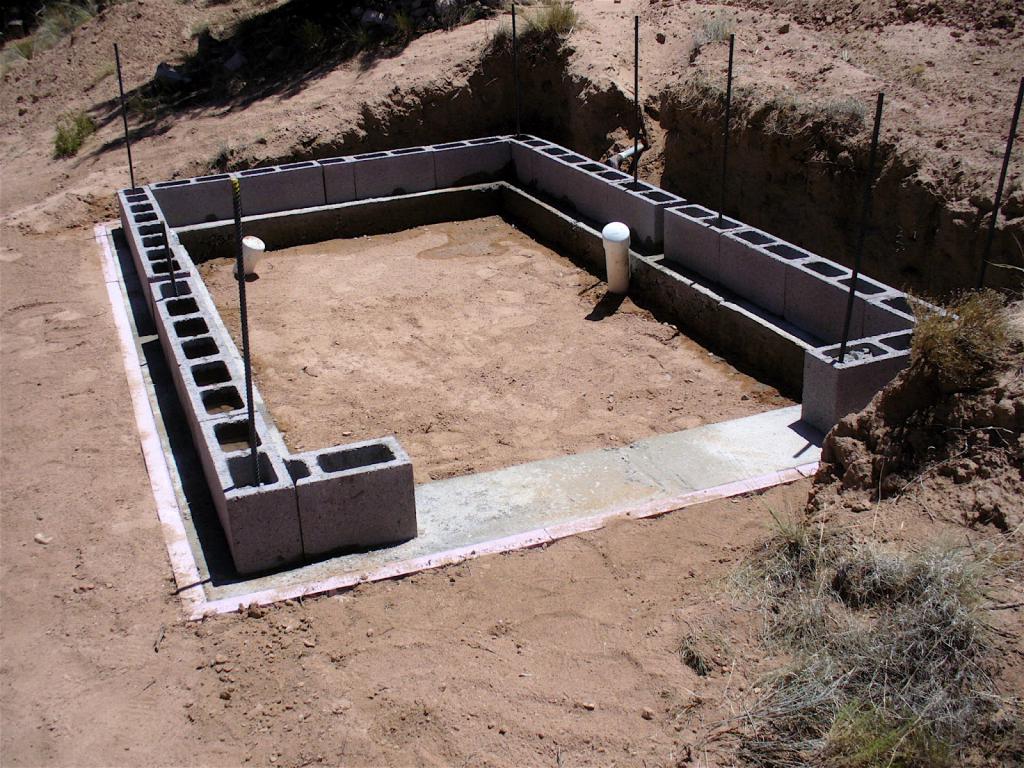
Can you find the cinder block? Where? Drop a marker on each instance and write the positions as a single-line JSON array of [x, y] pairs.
[[692, 235], [525, 158], [553, 170], [194, 201], [889, 312], [471, 162], [761, 344], [284, 188], [747, 268], [402, 172], [339, 180], [642, 208], [816, 302], [693, 306], [831, 389], [356, 496], [261, 523]]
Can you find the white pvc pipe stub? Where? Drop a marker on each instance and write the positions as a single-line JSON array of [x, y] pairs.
[[615, 237], [253, 250]]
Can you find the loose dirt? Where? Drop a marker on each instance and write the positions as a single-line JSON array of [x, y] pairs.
[[545, 657], [474, 344]]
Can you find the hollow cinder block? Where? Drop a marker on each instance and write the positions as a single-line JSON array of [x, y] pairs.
[[748, 269], [339, 180], [831, 389], [816, 303], [384, 174], [642, 208], [691, 239], [471, 162], [525, 158], [887, 313], [261, 523], [554, 177], [284, 188], [355, 496], [194, 201]]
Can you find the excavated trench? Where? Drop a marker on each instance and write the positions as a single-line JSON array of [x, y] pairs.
[[800, 177]]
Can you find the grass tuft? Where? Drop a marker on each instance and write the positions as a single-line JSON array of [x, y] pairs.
[[550, 24], [890, 653], [961, 343], [710, 29], [73, 128]]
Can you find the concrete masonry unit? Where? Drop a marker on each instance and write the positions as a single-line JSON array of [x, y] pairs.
[[767, 303]]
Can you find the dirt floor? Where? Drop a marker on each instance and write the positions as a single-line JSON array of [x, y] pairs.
[[546, 657], [475, 345]]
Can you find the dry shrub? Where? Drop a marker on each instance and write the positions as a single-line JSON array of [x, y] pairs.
[[539, 29], [961, 344], [890, 654], [72, 129], [710, 29]]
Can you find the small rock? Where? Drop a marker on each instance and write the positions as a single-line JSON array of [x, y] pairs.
[[309, 643], [226, 695], [220, 659], [588, 705], [784, 29], [647, 713], [41, 538], [660, 37]]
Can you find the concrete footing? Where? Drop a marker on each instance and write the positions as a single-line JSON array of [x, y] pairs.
[[767, 304]]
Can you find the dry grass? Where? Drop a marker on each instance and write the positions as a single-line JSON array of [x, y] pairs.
[[962, 342], [540, 28], [890, 653], [55, 21], [710, 29]]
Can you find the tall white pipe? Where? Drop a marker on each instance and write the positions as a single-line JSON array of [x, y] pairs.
[[615, 237]]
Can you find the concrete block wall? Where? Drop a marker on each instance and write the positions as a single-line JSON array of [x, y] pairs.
[[764, 299]]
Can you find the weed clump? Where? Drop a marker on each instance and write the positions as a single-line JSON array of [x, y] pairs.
[[891, 654], [73, 128], [549, 25], [710, 29], [962, 344]]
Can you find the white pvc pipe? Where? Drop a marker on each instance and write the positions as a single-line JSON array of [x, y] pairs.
[[615, 237], [253, 250], [616, 161]]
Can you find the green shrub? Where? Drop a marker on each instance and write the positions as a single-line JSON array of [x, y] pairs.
[[73, 128]]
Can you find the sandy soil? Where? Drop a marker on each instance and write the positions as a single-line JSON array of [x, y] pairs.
[[476, 346], [490, 663]]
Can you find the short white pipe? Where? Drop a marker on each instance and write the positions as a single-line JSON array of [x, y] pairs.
[[253, 251], [616, 161], [615, 237]]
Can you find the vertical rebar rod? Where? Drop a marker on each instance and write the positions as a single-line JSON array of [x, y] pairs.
[[170, 258], [999, 189], [246, 360], [725, 138], [865, 218], [636, 98], [515, 69], [124, 114]]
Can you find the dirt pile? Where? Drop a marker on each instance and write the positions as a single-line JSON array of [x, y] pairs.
[[954, 449]]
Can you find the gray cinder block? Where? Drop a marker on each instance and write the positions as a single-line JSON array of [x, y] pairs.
[[692, 239], [694, 307], [339, 180], [831, 389], [643, 210], [284, 188], [471, 162], [261, 523], [355, 496], [816, 302], [889, 312], [194, 201], [384, 174], [525, 159], [746, 267], [762, 344]]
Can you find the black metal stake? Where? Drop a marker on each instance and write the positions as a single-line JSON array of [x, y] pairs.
[[636, 97], [725, 140], [515, 68], [124, 114], [865, 217], [999, 189], [170, 259], [240, 273]]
